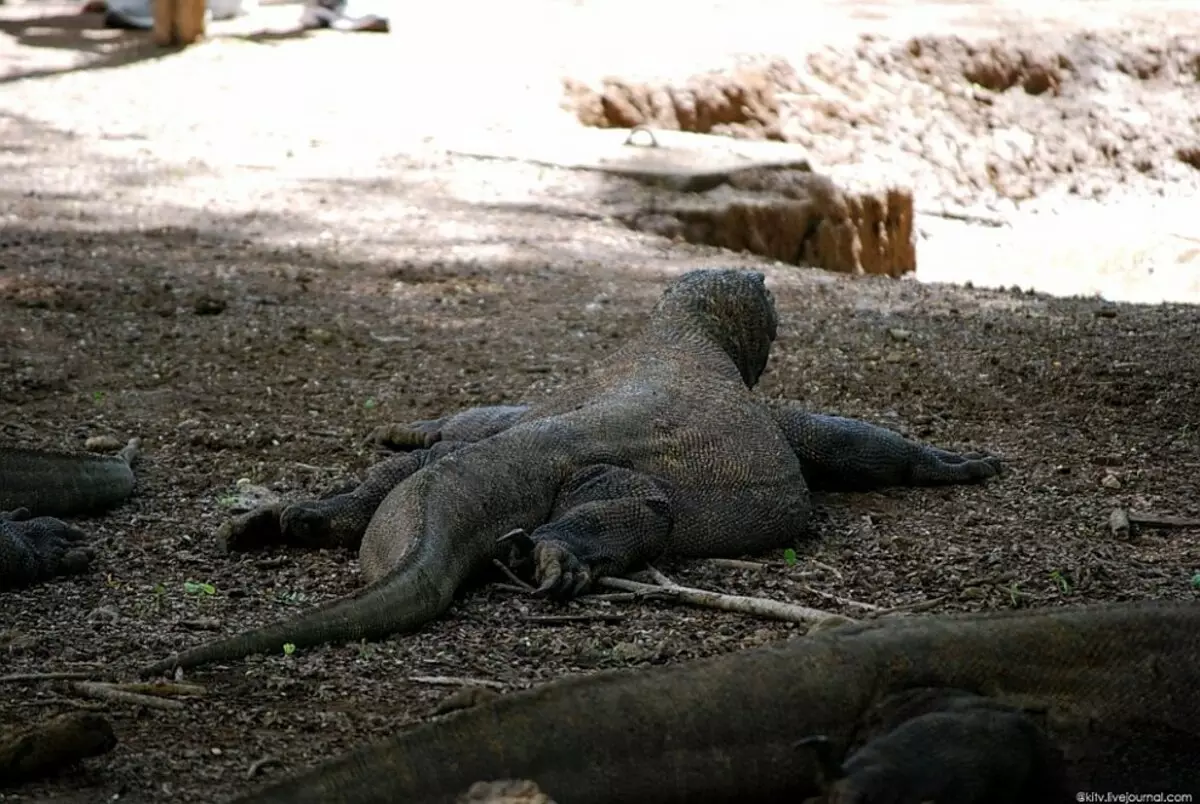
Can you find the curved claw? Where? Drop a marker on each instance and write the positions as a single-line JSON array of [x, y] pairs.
[[562, 575], [518, 539]]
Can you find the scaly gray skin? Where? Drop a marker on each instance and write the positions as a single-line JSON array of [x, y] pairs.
[[662, 448], [1115, 684], [947, 745], [35, 487]]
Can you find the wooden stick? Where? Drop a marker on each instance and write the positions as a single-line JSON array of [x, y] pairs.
[[112, 694], [512, 576], [738, 604], [737, 563], [19, 678], [1163, 521], [660, 578], [919, 605], [845, 601], [826, 567], [456, 681], [162, 689]]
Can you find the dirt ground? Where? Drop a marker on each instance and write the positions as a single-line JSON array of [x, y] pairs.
[[251, 287]]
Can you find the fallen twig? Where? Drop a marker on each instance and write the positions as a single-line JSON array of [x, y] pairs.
[[963, 215], [737, 563], [612, 597], [512, 576], [845, 601], [1123, 524], [595, 617], [113, 694], [1162, 521], [919, 605], [456, 681], [660, 578], [162, 689], [826, 567], [257, 766], [739, 604], [18, 678]]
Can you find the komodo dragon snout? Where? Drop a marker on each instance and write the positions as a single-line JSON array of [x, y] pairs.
[[663, 447]]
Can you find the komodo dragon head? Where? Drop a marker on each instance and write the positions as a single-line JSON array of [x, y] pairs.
[[728, 307]]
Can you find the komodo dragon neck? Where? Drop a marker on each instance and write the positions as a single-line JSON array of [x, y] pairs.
[[1110, 677], [52, 483]]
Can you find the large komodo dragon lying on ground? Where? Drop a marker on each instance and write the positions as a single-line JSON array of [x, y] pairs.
[[661, 448], [1115, 686], [36, 486]]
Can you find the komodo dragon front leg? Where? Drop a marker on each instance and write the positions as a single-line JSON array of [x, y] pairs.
[[340, 520], [838, 454]]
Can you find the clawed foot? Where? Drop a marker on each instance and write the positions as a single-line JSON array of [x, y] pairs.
[[401, 438], [558, 573], [253, 530], [46, 547], [308, 523], [945, 467]]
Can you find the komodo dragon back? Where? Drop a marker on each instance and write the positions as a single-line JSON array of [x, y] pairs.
[[1117, 683], [52, 483]]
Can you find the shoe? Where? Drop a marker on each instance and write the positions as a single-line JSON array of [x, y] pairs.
[[341, 16]]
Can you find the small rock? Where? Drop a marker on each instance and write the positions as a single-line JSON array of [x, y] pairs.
[[899, 334], [321, 336], [1110, 481], [104, 443], [208, 305]]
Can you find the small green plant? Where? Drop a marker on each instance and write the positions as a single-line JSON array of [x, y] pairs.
[[228, 501], [288, 648], [98, 397], [197, 588], [1063, 584], [1196, 581], [1015, 595], [369, 404], [789, 557], [365, 650]]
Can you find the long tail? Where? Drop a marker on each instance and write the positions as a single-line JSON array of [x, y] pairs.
[[725, 729], [63, 484], [412, 594]]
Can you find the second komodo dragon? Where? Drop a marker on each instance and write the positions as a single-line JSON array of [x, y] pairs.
[[661, 448], [35, 487], [1113, 686]]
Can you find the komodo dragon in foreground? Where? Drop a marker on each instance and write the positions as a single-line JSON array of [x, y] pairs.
[[37, 485], [661, 448], [1116, 685]]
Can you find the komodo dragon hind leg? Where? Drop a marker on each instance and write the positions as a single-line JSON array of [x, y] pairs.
[[337, 521], [607, 519], [838, 454], [36, 549]]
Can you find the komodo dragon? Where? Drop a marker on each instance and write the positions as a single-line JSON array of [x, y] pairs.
[[38, 485], [942, 744], [1115, 684], [661, 448]]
